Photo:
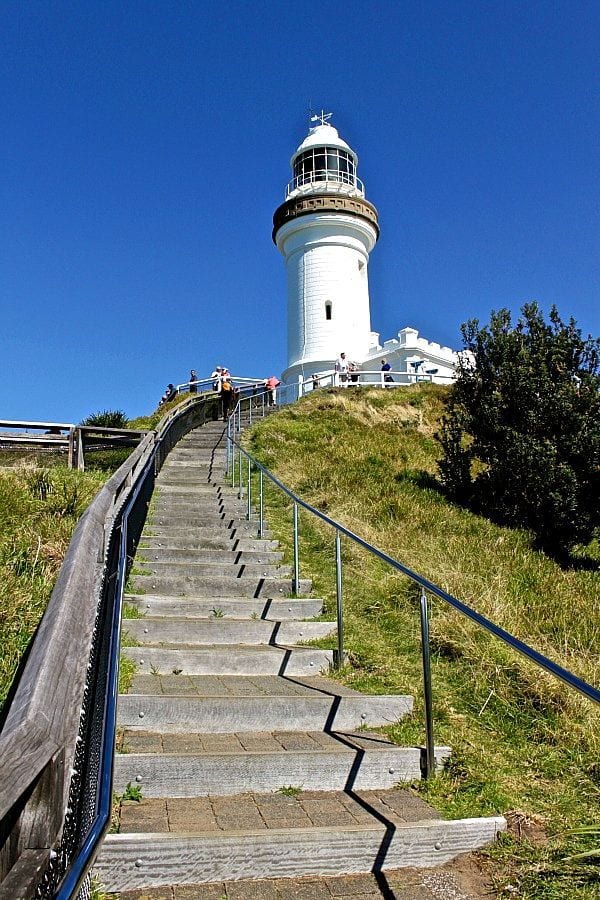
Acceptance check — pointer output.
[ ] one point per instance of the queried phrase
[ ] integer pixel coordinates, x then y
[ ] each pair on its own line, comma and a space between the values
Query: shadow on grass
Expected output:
582, 559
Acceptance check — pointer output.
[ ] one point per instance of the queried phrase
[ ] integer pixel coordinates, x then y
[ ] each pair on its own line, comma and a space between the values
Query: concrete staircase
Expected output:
251, 763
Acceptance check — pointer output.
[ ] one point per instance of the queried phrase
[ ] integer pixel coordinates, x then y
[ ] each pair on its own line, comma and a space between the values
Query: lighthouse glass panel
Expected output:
324, 164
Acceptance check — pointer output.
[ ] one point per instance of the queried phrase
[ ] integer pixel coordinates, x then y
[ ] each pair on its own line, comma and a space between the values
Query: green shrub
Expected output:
107, 419
521, 432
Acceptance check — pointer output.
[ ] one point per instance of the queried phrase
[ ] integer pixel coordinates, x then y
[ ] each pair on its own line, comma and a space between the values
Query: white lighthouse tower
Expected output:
325, 230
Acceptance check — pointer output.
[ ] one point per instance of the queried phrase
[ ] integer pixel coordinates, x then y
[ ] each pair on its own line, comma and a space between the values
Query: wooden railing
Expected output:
74, 439
41, 717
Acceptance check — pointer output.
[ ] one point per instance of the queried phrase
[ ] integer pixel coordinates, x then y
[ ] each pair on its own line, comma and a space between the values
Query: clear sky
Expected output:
145, 146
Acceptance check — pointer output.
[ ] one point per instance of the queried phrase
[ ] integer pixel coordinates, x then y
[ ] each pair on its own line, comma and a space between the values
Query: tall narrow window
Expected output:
328, 310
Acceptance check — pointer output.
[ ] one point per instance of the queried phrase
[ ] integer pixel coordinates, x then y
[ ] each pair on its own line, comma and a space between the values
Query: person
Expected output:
353, 370
341, 368
270, 384
216, 378
386, 369
315, 381
227, 396
193, 379
169, 394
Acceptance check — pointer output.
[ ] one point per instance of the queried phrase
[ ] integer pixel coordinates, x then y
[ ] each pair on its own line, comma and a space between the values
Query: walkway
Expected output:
250, 774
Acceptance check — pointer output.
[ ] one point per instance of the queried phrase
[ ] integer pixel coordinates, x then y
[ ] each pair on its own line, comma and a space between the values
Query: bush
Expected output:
107, 419
521, 432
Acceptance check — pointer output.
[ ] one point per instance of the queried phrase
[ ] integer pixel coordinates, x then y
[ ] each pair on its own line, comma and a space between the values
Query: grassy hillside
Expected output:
523, 744
39, 509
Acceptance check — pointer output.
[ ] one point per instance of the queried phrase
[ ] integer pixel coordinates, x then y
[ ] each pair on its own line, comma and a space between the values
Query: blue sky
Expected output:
145, 146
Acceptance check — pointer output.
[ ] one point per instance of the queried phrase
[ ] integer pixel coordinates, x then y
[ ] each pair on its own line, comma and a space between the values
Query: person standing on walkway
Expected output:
270, 384
227, 396
386, 369
193, 380
341, 369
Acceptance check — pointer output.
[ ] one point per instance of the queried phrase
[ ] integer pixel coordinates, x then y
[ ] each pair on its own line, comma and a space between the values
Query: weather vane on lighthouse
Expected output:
323, 118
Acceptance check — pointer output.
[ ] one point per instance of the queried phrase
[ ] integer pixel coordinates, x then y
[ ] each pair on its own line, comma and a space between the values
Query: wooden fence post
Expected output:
71, 452
80, 448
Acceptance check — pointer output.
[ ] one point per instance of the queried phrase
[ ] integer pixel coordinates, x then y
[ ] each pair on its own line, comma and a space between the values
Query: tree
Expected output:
521, 431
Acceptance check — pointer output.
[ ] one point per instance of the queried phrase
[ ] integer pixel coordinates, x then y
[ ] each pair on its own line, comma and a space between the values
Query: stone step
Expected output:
237, 557
215, 586
201, 520
217, 530
199, 514
180, 478
291, 711
164, 841
216, 630
250, 608
203, 513
206, 498
180, 568
188, 541
194, 461
454, 880
208, 490
195, 765
208, 512
230, 659
217, 436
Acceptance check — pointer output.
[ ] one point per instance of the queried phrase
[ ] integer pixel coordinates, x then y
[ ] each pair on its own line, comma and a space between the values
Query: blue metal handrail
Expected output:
81, 864
79, 868
558, 671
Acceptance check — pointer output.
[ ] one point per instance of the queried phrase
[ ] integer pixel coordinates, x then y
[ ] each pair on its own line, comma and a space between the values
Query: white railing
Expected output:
363, 378
326, 180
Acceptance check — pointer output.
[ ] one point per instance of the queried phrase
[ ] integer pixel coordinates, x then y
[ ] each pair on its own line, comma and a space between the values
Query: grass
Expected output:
132, 612
290, 790
39, 509
127, 670
523, 744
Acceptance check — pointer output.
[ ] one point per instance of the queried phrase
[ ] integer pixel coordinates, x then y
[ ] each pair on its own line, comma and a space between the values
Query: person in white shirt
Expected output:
341, 368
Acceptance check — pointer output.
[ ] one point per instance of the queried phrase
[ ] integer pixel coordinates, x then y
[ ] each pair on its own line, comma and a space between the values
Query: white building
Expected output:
326, 229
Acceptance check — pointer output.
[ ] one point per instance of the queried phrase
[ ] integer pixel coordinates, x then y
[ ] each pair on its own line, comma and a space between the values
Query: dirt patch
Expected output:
527, 827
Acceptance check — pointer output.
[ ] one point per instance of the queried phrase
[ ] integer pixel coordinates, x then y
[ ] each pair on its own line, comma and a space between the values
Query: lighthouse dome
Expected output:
323, 135
324, 162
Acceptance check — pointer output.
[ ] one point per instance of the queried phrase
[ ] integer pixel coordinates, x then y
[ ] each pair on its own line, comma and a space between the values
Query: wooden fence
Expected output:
40, 722
70, 439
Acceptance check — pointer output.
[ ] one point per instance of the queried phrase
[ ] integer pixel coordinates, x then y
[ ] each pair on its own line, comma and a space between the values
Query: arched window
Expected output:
328, 310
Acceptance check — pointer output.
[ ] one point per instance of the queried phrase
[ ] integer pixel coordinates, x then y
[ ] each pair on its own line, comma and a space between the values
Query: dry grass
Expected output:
38, 512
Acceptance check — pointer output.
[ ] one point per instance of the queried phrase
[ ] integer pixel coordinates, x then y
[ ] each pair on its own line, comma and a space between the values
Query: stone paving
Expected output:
238, 685
257, 812
250, 741
405, 884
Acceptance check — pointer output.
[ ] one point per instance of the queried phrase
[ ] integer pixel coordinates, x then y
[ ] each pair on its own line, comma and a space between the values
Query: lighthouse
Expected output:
325, 230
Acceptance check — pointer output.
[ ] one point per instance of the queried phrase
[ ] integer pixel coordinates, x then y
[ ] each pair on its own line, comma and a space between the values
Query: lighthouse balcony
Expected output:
325, 181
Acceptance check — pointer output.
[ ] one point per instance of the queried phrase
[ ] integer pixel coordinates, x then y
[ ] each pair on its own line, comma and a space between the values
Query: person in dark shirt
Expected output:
169, 394
386, 369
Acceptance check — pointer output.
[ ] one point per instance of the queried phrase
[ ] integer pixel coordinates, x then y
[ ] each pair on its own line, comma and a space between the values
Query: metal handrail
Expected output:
425, 585
205, 385
80, 866
108, 531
